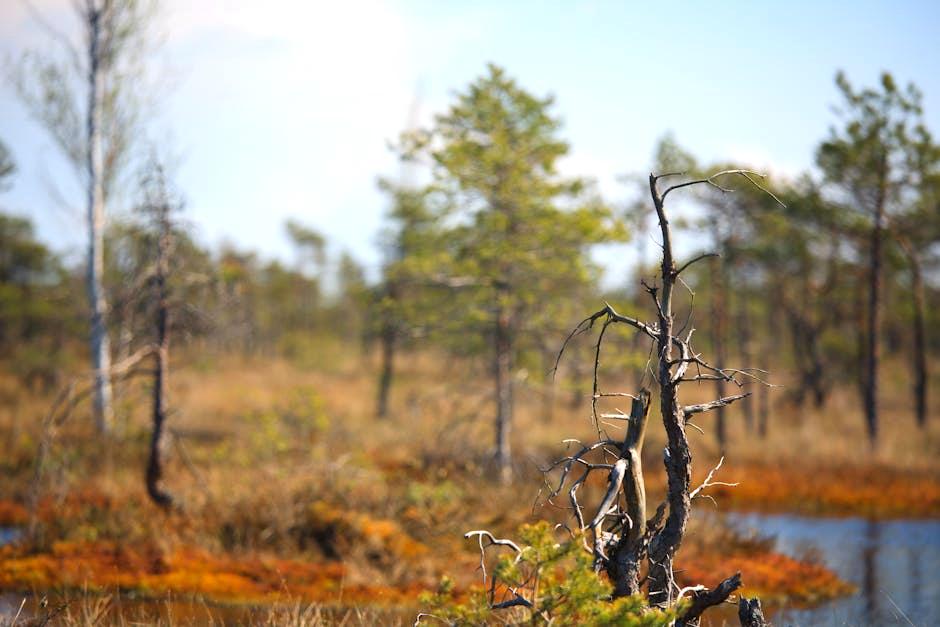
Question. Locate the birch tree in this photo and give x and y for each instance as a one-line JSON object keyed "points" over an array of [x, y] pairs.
{"points": [[86, 96]]}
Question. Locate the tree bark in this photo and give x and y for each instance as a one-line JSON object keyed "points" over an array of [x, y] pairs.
{"points": [[920, 347], [861, 337], [678, 457], [919, 332], [763, 411], [750, 613], [718, 314], [744, 345], [873, 352], [100, 346], [703, 599], [808, 355], [162, 368], [769, 347], [624, 568], [502, 374], [388, 346]]}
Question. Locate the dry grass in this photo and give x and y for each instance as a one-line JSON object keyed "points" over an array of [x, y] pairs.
{"points": [[292, 490], [86, 609]]}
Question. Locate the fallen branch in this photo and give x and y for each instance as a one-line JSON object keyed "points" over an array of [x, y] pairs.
{"points": [[703, 598]]}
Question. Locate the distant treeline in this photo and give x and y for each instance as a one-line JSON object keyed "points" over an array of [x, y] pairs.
{"points": [[491, 260]]}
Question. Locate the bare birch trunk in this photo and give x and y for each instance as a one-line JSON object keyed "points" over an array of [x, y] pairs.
{"points": [[100, 346]]}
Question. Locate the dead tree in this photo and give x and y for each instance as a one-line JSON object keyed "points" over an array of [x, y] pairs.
{"points": [[63, 407], [159, 207], [618, 533]]}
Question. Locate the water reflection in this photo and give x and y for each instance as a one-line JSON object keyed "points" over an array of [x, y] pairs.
{"points": [[894, 564], [10, 534]]}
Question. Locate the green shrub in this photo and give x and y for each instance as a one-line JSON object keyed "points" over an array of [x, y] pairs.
{"points": [[556, 580]]}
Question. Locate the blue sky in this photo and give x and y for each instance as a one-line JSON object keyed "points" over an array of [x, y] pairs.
{"points": [[284, 109]]}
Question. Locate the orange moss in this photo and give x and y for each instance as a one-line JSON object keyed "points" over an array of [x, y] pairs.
{"points": [[872, 491], [12, 514], [376, 534], [107, 566], [769, 575]]}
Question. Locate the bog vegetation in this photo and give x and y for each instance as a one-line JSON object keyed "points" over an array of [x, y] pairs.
{"points": [[242, 429]]}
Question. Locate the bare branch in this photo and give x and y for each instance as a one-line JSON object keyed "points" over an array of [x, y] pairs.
{"points": [[516, 601], [689, 410], [573, 497], [55, 34], [656, 177], [748, 176], [708, 483], [691, 261], [711, 180], [614, 481], [482, 533]]}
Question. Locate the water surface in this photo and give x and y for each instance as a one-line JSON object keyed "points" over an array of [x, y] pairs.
{"points": [[895, 565]]}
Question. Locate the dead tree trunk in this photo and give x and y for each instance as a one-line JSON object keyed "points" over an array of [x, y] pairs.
{"points": [[678, 456], [100, 347], [624, 567], [154, 474], [750, 613]]}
